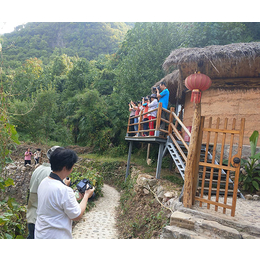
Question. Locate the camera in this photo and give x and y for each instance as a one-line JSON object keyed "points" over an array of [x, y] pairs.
{"points": [[84, 185], [154, 89]]}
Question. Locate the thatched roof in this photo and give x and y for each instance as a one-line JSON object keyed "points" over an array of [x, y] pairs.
{"points": [[236, 60]]}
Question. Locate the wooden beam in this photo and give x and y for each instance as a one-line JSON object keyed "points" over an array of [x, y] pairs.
{"points": [[158, 121]]}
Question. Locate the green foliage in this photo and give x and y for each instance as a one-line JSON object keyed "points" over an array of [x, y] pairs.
{"points": [[93, 176], [250, 178], [13, 219], [42, 39], [62, 94]]}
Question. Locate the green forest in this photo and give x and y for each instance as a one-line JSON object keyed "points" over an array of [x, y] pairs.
{"points": [[70, 83]]}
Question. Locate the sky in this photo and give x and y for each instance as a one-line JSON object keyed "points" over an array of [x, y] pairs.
{"points": [[7, 27], [15, 12]]}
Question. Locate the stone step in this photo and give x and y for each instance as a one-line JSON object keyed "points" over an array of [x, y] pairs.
{"points": [[242, 226], [187, 226], [173, 232]]}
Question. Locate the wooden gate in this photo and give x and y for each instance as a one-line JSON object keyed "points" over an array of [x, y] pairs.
{"points": [[226, 144]]}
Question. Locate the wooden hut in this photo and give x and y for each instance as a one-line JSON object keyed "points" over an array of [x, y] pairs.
{"points": [[235, 73]]}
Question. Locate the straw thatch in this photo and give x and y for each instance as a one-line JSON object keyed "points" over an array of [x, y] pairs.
{"points": [[217, 61], [231, 62]]}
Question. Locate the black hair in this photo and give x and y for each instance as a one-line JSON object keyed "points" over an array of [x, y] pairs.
{"points": [[61, 157], [163, 83]]}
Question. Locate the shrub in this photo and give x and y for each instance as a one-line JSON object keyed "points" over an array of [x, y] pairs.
{"points": [[250, 177]]}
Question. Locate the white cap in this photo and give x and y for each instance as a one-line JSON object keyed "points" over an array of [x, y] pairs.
{"points": [[49, 152]]}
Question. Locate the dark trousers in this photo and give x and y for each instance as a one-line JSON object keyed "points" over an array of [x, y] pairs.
{"points": [[31, 228], [164, 115], [27, 162], [146, 126], [131, 128]]}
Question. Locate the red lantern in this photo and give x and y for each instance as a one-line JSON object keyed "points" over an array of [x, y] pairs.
{"points": [[197, 82]]}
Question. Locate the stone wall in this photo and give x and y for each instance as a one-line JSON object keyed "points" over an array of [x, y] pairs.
{"points": [[21, 175]]}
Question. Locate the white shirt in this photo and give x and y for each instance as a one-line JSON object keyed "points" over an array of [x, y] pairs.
{"points": [[57, 205], [38, 175], [152, 106]]}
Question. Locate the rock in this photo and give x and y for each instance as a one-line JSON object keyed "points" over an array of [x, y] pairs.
{"points": [[146, 192], [168, 195], [149, 161], [256, 197], [11, 166], [144, 179], [248, 197]]}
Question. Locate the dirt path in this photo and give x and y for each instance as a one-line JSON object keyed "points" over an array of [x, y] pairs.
{"points": [[99, 223]]}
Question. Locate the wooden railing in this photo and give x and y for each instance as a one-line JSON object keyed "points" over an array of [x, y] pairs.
{"points": [[171, 129]]}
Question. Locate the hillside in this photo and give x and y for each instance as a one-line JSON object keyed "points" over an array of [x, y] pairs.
{"points": [[42, 39]]}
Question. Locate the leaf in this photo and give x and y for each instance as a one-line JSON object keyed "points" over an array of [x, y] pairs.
{"points": [[8, 236], [19, 237], [10, 203], [9, 182], [3, 220], [255, 184], [253, 142]]}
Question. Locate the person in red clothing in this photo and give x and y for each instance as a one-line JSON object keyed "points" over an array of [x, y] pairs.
{"points": [[27, 157]]}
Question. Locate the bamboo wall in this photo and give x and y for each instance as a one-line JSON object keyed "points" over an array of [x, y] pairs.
{"points": [[230, 103]]}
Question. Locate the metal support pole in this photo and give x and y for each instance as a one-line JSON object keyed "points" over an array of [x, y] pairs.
{"points": [[159, 161], [128, 159]]}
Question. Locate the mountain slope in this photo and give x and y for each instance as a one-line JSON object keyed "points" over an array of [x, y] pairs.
{"points": [[41, 40]]}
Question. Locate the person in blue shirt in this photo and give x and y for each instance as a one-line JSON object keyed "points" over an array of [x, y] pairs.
{"points": [[163, 97]]}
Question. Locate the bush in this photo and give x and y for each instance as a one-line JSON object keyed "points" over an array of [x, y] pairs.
{"points": [[13, 219], [250, 177], [93, 176]]}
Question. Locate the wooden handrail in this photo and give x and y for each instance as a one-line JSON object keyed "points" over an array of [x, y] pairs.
{"points": [[179, 136], [182, 125], [171, 126]]}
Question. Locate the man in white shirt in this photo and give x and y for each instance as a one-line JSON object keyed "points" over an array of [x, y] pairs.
{"points": [[57, 204], [38, 175]]}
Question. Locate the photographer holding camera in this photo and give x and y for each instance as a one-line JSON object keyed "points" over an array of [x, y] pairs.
{"points": [[163, 97], [57, 204]]}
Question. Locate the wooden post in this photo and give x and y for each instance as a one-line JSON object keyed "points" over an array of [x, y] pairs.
{"points": [[159, 161], [148, 151], [139, 123], [158, 120], [188, 179], [197, 160], [128, 126], [170, 120], [128, 159]]}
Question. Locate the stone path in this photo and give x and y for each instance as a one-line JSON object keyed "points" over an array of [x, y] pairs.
{"points": [[99, 223]]}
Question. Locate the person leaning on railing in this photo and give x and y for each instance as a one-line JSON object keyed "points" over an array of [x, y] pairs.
{"points": [[137, 112], [152, 104], [163, 97]]}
